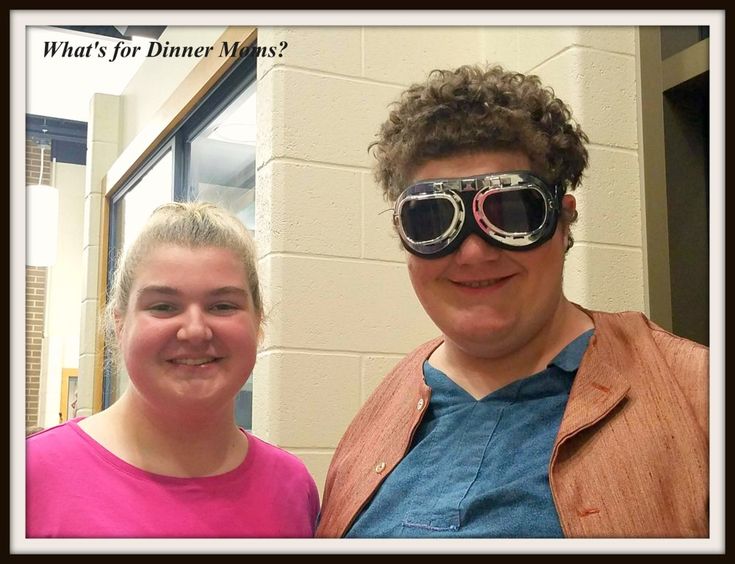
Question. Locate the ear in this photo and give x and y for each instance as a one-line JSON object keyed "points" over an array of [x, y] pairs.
{"points": [[119, 319], [568, 216], [260, 323], [569, 204]]}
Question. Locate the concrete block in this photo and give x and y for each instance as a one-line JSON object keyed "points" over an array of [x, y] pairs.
{"points": [[328, 49], [264, 210], [89, 327], [305, 399], [344, 305], [104, 122], [85, 384], [326, 119], [404, 55], [609, 199], [600, 88], [501, 45], [269, 96], [313, 209], [90, 270], [93, 203], [100, 156], [379, 238], [374, 368], [605, 278], [537, 44]]}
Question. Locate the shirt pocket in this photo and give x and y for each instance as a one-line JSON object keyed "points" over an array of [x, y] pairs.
{"points": [[434, 519]]}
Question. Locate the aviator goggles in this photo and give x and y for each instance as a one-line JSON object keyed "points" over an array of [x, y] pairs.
{"points": [[513, 210]]}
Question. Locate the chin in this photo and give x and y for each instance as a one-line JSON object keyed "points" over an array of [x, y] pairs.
{"points": [[471, 337], [482, 324]]}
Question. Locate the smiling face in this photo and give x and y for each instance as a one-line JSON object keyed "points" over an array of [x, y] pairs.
{"points": [[189, 334], [489, 302]]}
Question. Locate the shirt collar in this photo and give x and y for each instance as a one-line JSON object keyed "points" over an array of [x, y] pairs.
{"points": [[570, 356]]}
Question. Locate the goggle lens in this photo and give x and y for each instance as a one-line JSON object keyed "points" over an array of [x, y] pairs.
{"points": [[426, 219], [517, 211]]}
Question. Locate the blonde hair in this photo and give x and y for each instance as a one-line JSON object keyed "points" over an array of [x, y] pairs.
{"points": [[186, 224]]}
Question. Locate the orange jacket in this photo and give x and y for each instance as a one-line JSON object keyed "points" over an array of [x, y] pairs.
{"points": [[630, 458]]}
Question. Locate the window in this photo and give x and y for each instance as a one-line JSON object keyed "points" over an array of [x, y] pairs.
{"points": [[209, 157], [152, 190], [222, 160]]}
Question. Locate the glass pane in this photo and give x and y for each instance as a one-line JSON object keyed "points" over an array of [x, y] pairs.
{"points": [[152, 190], [222, 165], [131, 213], [244, 406], [222, 171]]}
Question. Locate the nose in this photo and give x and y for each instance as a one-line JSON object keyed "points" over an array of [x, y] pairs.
{"points": [[473, 250], [194, 326]]}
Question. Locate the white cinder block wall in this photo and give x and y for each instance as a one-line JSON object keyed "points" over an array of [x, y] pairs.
{"points": [[341, 308]]}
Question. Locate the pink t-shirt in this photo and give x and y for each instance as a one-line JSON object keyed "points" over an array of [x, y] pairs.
{"points": [[76, 488]]}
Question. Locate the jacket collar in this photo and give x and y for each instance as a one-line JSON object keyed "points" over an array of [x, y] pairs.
{"points": [[599, 385]]}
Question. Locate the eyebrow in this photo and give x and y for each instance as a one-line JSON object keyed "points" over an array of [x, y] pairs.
{"points": [[171, 291]]}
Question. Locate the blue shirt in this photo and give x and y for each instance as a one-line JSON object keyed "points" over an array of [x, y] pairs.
{"points": [[478, 468]]}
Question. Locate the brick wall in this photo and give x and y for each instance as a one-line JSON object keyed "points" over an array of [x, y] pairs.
{"points": [[36, 278], [35, 308]]}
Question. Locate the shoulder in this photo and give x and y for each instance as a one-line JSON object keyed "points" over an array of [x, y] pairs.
{"points": [[678, 348], [634, 326], [285, 476], [276, 459], [59, 438], [57, 452], [637, 346], [284, 471]]}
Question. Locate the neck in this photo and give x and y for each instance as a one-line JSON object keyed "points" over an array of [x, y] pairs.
{"points": [[181, 447], [482, 374]]}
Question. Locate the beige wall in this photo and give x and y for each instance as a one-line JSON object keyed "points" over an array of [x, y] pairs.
{"points": [[342, 311], [61, 341]]}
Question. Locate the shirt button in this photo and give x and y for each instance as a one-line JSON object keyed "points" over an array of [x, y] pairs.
{"points": [[420, 404], [379, 467]]}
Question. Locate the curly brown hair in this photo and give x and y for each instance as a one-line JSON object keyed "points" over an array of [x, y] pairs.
{"points": [[474, 108]]}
